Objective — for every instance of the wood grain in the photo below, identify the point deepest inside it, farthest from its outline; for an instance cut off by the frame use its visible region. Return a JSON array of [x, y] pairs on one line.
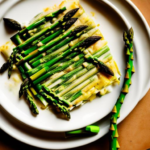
[[134, 131], [144, 7]]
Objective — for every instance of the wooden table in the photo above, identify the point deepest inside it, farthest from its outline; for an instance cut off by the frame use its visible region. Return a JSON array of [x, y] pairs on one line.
[[134, 131]]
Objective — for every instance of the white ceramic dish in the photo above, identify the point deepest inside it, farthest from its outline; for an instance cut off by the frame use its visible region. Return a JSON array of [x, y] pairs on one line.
[[51, 143], [100, 107]]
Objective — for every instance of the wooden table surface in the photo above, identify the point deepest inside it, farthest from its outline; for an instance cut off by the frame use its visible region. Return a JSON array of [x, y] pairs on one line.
[[134, 131]]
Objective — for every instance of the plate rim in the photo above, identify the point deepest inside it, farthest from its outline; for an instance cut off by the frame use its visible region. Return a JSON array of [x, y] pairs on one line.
[[148, 31]]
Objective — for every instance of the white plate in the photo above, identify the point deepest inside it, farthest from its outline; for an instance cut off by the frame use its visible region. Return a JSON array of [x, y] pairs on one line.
[[92, 111], [41, 140]]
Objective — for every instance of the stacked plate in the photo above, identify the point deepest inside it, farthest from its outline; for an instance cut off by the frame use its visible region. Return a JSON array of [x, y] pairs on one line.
[[46, 130]]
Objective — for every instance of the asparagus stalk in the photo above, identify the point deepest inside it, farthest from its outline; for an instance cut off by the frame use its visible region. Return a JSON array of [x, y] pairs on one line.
[[76, 90], [90, 40], [24, 33], [128, 39], [42, 21], [28, 94], [88, 130], [30, 33], [53, 95], [81, 37], [51, 62], [84, 94], [79, 87], [61, 92], [31, 72], [101, 65], [44, 41], [75, 33], [44, 57], [100, 52], [24, 90], [69, 82], [38, 96], [98, 63], [26, 84], [11, 61], [32, 105], [67, 79], [16, 39], [4, 67], [62, 78], [54, 102], [65, 26], [37, 35], [36, 79], [76, 63], [13, 24], [51, 43], [24, 77], [40, 39]]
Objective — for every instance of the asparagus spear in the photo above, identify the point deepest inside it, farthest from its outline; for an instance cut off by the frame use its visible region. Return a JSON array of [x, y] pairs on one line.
[[40, 39], [65, 26], [24, 34], [26, 84], [62, 78], [43, 20], [51, 62], [100, 65], [94, 60], [70, 77], [69, 82], [79, 87], [36, 79], [16, 39], [88, 130], [53, 95], [4, 67], [76, 90], [61, 92], [49, 44], [128, 39], [65, 18], [54, 102], [90, 40], [30, 33], [44, 41], [53, 66], [13, 24], [28, 95], [32, 105], [67, 66], [75, 33], [81, 37], [43, 101], [23, 75]]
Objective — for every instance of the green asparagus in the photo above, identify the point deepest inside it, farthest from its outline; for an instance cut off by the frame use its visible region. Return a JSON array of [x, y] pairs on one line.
[[128, 39]]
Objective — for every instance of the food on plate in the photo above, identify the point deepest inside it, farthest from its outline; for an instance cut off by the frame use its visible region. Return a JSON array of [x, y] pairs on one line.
[[63, 59]]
